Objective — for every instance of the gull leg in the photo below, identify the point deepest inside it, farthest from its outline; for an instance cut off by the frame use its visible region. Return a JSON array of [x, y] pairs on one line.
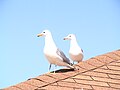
[[73, 62], [49, 67], [54, 68]]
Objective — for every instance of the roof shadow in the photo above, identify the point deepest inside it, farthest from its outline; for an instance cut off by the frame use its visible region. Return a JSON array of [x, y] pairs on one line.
[[62, 70]]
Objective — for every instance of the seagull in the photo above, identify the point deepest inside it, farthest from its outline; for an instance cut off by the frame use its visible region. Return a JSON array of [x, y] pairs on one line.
[[75, 52], [53, 54]]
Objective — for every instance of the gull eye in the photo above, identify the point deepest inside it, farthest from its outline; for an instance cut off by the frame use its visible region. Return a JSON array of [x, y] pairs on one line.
[[43, 32], [70, 36]]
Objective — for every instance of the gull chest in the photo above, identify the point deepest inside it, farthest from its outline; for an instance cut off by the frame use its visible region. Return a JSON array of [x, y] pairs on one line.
[[50, 54]]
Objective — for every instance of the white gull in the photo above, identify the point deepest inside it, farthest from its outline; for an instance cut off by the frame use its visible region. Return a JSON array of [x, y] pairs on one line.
[[75, 52], [52, 53]]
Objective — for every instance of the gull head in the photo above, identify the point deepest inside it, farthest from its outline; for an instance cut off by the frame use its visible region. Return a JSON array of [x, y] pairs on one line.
[[44, 33], [69, 37]]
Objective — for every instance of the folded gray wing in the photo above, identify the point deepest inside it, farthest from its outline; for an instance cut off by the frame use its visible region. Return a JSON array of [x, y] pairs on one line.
[[62, 55]]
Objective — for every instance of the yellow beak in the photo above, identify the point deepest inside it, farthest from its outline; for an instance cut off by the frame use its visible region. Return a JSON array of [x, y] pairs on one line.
[[39, 35]]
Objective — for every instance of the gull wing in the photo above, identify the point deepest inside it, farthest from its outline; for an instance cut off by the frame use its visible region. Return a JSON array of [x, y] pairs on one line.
[[62, 55]]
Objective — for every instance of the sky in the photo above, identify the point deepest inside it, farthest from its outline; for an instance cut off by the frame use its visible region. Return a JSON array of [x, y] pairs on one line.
[[96, 24]]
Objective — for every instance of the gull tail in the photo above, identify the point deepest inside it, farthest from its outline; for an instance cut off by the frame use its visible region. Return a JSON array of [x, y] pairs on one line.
[[70, 66]]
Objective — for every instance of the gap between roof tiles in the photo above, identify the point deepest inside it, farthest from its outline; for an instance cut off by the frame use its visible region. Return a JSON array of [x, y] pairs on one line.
[[109, 76], [92, 77], [108, 84], [92, 87]]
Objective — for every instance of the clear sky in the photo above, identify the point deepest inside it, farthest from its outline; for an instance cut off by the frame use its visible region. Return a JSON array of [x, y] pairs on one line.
[[96, 24]]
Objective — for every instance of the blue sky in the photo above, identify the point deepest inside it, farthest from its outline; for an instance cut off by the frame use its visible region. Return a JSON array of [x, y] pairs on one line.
[[96, 24]]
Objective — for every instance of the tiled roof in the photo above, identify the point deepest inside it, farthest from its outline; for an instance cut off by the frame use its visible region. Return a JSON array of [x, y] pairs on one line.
[[98, 73]]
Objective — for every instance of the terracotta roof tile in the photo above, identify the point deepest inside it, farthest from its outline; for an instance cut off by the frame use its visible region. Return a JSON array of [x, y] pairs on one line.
[[104, 67], [58, 76], [35, 82], [114, 67], [103, 58], [108, 80], [98, 73], [91, 82], [74, 85], [25, 86], [55, 88], [107, 71], [117, 86], [114, 76], [113, 55], [82, 77], [13, 88], [85, 65], [69, 80], [103, 88], [46, 78], [117, 52], [94, 62], [117, 63]]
